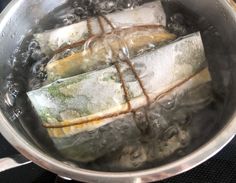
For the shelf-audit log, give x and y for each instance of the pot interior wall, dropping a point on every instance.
(18, 22)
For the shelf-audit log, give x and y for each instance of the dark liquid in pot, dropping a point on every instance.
(28, 63)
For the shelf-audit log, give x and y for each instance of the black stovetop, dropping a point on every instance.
(219, 169)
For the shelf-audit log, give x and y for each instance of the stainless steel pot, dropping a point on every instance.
(21, 15)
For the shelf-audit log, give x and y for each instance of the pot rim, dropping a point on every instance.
(184, 164)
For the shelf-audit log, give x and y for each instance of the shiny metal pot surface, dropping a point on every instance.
(21, 15)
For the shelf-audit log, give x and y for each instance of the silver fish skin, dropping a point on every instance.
(124, 134)
(65, 105)
(106, 50)
(149, 13)
(100, 93)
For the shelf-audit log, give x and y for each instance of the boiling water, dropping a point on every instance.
(171, 137)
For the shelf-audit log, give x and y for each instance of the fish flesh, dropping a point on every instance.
(105, 50)
(72, 109)
(52, 40)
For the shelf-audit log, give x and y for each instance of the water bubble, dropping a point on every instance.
(42, 76)
(104, 142)
(25, 59)
(9, 99)
(37, 54)
(16, 89)
(217, 33)
(69, 19)
(177, 24)
(157, 126)
(67, 53)
(123, 132)
(10, 78)
(169, 104)
(93, 133)
(181, 152)
(141, 120)
(37, 68)
(178, 17)
(33, 45)
(107, 6)
(136, 154)
(184, 142)
(124, 53)
(170, 132)
(18, 112)
(186, 120)
(118, 128)
(79, 11)
(129, 4)
(153, 114)
(37, 20)
(13, 61)
(75, 4)
(178, 29)
(113, 149)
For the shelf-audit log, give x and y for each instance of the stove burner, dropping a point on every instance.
(3, 3)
